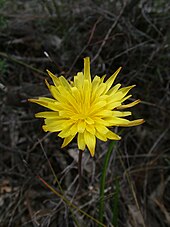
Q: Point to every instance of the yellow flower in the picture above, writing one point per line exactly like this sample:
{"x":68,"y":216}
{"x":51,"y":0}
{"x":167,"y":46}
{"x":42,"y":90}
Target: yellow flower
{"x":86,"y":108}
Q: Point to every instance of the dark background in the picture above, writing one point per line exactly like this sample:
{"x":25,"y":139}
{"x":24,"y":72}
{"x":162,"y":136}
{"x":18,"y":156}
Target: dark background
{"x":133,"y":34}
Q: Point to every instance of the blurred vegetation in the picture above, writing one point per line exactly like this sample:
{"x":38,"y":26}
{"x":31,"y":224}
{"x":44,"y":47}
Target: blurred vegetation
{"x":133,"y":34}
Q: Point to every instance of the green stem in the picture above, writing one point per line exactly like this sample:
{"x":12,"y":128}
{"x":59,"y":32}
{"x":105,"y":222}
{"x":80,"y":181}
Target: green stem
{"x":116,"y":203}
{"x":103,"y":182}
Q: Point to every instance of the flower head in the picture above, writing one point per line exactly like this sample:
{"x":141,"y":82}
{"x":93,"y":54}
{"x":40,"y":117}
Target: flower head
{"x":86,"y":108}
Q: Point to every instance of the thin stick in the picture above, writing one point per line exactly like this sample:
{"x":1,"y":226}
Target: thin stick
{"x":79,"y":168}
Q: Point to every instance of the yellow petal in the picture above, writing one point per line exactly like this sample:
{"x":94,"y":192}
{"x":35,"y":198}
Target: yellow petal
{"x":45,"y":114}
{"x":113,"y":105}
{"x":101,"y":136}
{"x":90,"y":128}
{"x":87,"y":94}
{"x":120,"y":94}
{"x":100,"y":121}
{"x":66,"y":113}
{"x":77,"y":95}
{"x":90,"y":141}
{"x":102,"y":79}
{"x":68,"y":98}
{"x":65,"y":133}
{"x":57,"y":93}
{"x":65,"y":83}
{"x":100,"y":89}
{"x":45,"y":99}
{"x":80,"y":141}
{"x":110,"y":81}
{"x":78,"y":80}
{"x":103,"y":113}
{"x":46,"y":102}
{"x":101,"y":128}
{"x":87,"y":75}
{"x":129,"y":105}
{"x":67,"y":140}
{"x":126,"y":97}
{"x":114,"y":89}
{"x":133,"y":123}
{"x":116,"y":121}
{"x":95,"y":83}
{"x":97,"y":107}
{"x":89,"y":120}
{"x":125,"y":90}
{"x":121,"y":114}
{"x":55,"y":125}
{"x":53,"y":91}
{"x":74,"y":128}
{"x":52,"y":128}
{"x":113,"y":136}
{"x":54,"y":78}
{"x":81,"y":126}
{"x":59,"y":121}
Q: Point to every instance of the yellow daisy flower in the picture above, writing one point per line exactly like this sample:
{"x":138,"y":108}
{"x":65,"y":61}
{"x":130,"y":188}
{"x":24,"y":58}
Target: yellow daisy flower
{"x":86,"y":108}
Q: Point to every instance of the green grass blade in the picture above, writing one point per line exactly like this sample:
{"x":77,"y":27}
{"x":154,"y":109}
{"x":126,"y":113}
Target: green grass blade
{"x":115,"y":210}
{"x":103,"y":181}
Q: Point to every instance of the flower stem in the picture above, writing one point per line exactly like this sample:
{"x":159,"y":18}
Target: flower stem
{"x":79,"y":168}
